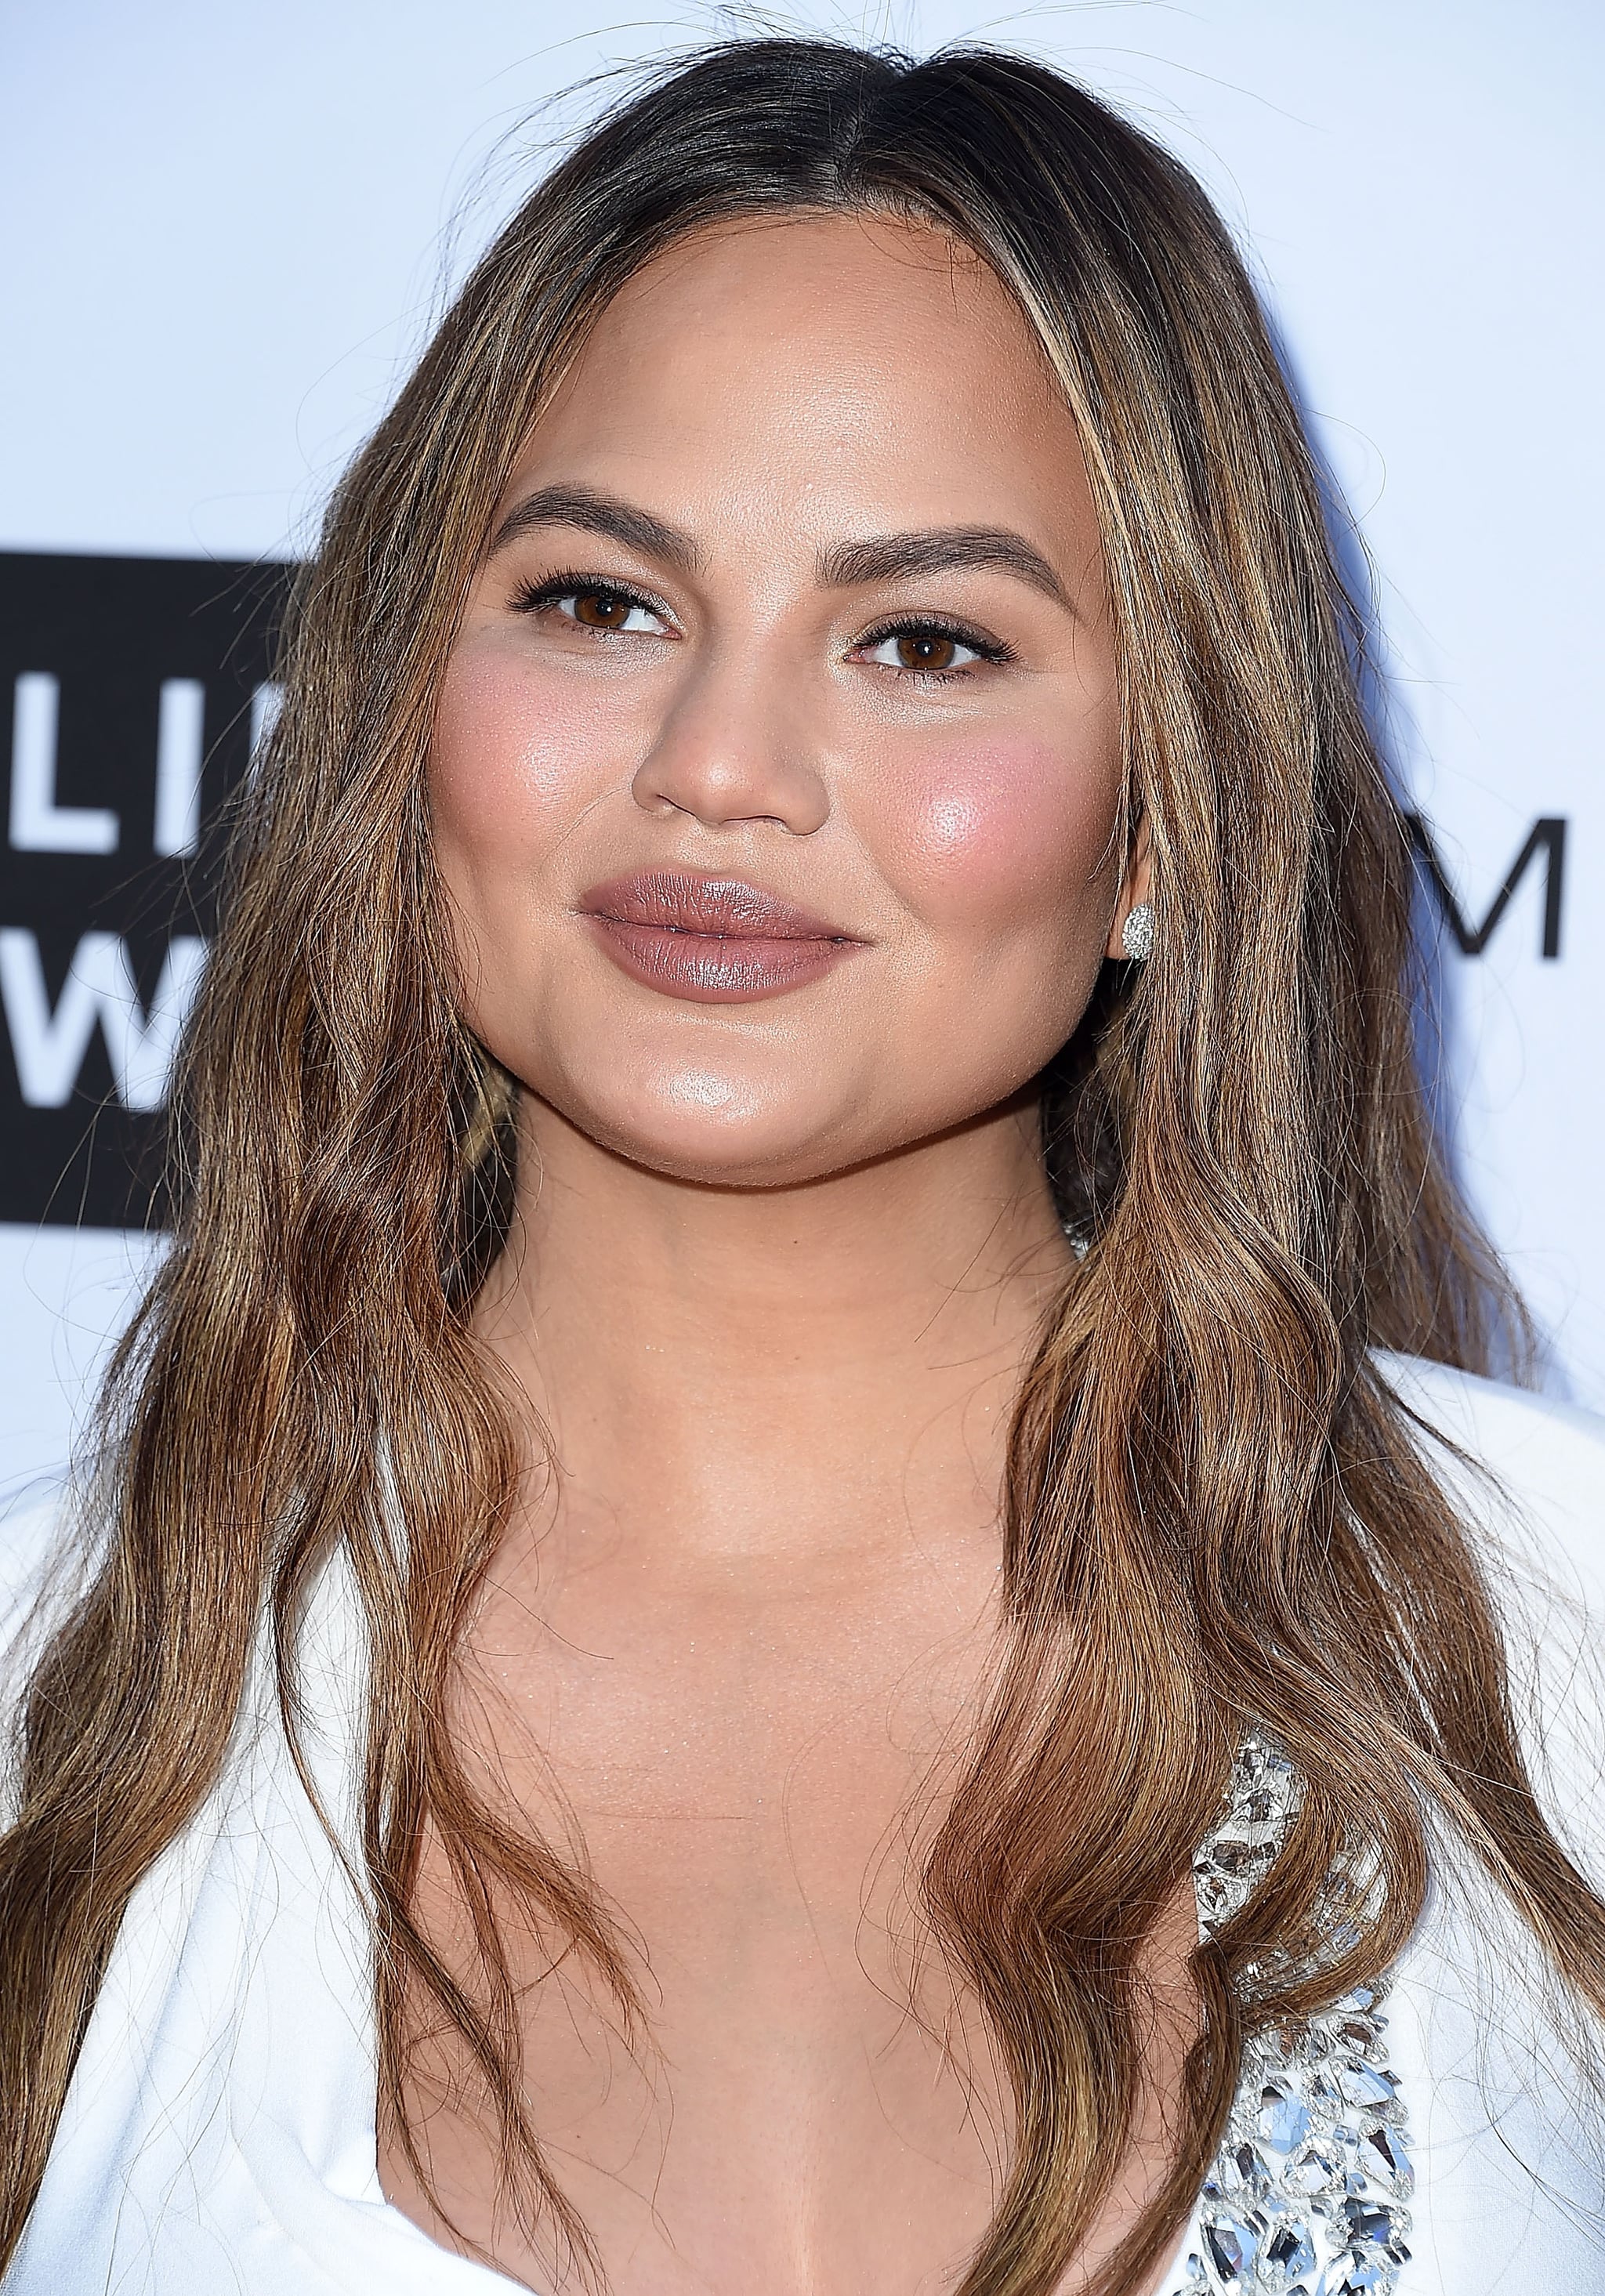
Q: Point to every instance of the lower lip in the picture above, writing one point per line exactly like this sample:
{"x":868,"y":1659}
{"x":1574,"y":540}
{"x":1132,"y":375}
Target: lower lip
{"x":716,"y":968}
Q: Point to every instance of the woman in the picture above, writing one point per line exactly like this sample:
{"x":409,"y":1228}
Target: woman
{"x":777,"y":1604}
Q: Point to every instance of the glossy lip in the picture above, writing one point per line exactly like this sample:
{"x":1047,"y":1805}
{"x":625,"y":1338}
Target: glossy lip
{"x":715,"y":940}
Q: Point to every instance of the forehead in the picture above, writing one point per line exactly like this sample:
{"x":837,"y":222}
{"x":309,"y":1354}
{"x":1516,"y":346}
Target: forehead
{"x":856,"y":371}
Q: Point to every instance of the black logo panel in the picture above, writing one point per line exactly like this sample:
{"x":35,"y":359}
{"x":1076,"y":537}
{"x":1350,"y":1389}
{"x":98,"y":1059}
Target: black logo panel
{"x":131,"y":692}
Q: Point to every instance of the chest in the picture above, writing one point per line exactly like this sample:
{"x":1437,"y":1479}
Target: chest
{"x":819,"y":2109}
{"x":752,"y":1769}
{"x":738,"y":1753}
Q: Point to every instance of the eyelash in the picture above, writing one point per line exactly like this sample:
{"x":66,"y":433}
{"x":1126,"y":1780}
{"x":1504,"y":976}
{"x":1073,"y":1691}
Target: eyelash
{"x":989,"y":650}
{"x":530,"y":598}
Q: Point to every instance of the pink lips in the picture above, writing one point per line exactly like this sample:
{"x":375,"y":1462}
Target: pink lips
{"x":716,"y":940}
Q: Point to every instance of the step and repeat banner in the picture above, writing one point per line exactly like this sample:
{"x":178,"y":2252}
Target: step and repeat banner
{"x":227,"y":233}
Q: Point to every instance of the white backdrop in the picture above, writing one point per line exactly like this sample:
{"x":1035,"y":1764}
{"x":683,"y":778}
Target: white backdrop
{"x":224,"y":230}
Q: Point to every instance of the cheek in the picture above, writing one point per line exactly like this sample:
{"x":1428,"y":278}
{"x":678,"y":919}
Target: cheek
{"x":992,"y":832}
{"x":512,"y":763}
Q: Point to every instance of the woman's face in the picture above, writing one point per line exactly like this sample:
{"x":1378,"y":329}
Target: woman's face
{"x":777,"y":777}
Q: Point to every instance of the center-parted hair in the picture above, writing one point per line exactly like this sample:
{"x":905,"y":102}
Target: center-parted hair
{"x":1215,"y":1512}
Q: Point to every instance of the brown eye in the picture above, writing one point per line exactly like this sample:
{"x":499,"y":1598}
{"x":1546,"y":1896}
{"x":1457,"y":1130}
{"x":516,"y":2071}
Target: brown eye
{"x":602,"y":609}
{"x":585,"y":603}
{"x":922,"y":651}
{"x":925,"y":649}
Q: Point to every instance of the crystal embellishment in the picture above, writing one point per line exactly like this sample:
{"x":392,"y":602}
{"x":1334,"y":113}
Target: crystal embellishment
{"x":1308,"y":2194}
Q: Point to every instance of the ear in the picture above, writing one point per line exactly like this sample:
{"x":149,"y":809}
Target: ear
{"x":1135,"y":886}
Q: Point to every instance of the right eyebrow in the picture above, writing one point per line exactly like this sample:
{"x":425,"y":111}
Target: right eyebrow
{"x":599,"y":513}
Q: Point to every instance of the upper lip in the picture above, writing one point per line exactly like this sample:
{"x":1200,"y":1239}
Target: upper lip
{"x":727,"y":908}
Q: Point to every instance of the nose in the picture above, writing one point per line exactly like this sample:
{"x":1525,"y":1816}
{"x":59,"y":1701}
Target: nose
{"x":733,"y":749}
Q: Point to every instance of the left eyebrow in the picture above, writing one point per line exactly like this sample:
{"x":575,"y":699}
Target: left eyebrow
{"x":940,"y":550}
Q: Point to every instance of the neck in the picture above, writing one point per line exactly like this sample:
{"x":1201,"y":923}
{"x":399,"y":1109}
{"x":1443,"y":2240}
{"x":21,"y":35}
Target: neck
{"x":734,"y":1369}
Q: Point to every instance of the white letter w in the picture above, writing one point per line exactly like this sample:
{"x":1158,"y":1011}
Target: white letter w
{"x":100,"y":987}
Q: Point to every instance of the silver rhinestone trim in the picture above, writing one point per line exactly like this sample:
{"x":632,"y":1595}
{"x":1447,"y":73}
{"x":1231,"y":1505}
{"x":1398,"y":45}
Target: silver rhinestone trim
{"x":1309,"y":2191}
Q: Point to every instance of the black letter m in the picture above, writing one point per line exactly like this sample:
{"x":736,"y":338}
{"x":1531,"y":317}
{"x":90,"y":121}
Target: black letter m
{"x":1547,"y":836}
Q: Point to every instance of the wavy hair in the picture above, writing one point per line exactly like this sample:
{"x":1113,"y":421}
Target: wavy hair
{"x":1213,"y":1500}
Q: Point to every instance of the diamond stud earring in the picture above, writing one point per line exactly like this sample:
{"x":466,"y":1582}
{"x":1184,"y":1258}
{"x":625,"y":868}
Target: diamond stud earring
{"x":1136,"y":934}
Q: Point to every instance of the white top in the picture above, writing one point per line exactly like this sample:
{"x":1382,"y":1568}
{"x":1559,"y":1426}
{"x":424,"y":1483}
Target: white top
{"x":218,"y":2134}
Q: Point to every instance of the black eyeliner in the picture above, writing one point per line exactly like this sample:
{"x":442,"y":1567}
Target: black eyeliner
{"x":527,"y":597}
{"x":937,"y":626}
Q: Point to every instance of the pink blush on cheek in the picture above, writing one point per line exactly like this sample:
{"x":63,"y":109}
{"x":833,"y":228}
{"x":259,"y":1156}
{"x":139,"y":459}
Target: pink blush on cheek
{"x":983,"y":828}
{"x":509,"y":762}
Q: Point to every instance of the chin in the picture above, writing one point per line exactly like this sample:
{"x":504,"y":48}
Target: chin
{"x":709,"y":1128}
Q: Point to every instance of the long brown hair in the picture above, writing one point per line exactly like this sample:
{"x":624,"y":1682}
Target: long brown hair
{"x":1213,"y":1500}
